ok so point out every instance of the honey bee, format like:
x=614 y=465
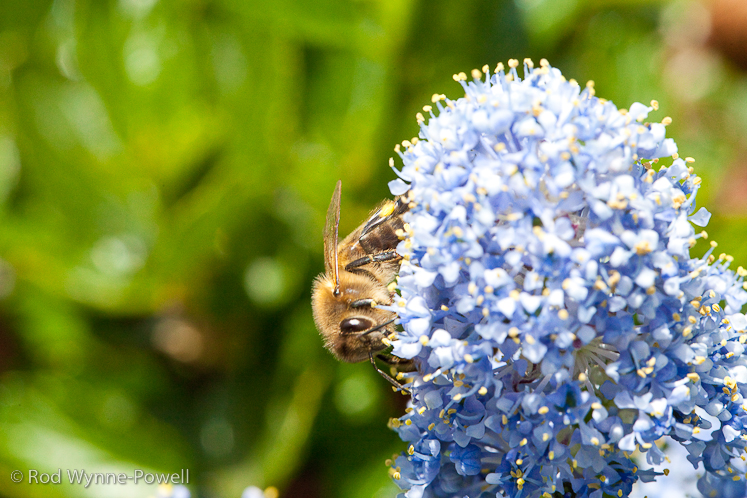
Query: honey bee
x=357 y=272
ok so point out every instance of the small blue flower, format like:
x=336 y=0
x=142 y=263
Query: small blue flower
x=549 y=297
x=171 y=491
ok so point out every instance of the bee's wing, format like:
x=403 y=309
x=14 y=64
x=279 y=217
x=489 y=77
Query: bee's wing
x=330 y=236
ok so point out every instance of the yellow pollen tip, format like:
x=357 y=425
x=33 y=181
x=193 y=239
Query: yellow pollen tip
x=387 y=209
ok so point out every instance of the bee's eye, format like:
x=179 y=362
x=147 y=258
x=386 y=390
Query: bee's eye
x=351 y=325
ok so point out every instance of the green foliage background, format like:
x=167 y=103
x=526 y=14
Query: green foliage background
x=165 y=169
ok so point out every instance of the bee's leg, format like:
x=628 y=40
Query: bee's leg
x=362 y=303
x=401 y=364
x=373 y=258
x=386 y=375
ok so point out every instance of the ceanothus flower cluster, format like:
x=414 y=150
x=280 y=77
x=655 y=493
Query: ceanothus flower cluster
x=550 y=300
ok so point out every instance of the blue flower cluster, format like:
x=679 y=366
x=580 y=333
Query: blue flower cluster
x=549 y=297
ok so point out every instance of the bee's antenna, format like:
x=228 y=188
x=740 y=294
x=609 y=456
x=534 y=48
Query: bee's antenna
x=386 y=375
x=378 y=327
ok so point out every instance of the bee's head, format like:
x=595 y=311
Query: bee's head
x=348 y=321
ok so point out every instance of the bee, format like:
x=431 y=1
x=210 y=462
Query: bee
x=357 y=272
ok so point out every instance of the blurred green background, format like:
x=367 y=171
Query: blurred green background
x=165 y=170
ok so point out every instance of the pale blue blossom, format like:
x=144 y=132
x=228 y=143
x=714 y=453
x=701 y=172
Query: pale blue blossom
x=172 y=491
x=548 y=294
